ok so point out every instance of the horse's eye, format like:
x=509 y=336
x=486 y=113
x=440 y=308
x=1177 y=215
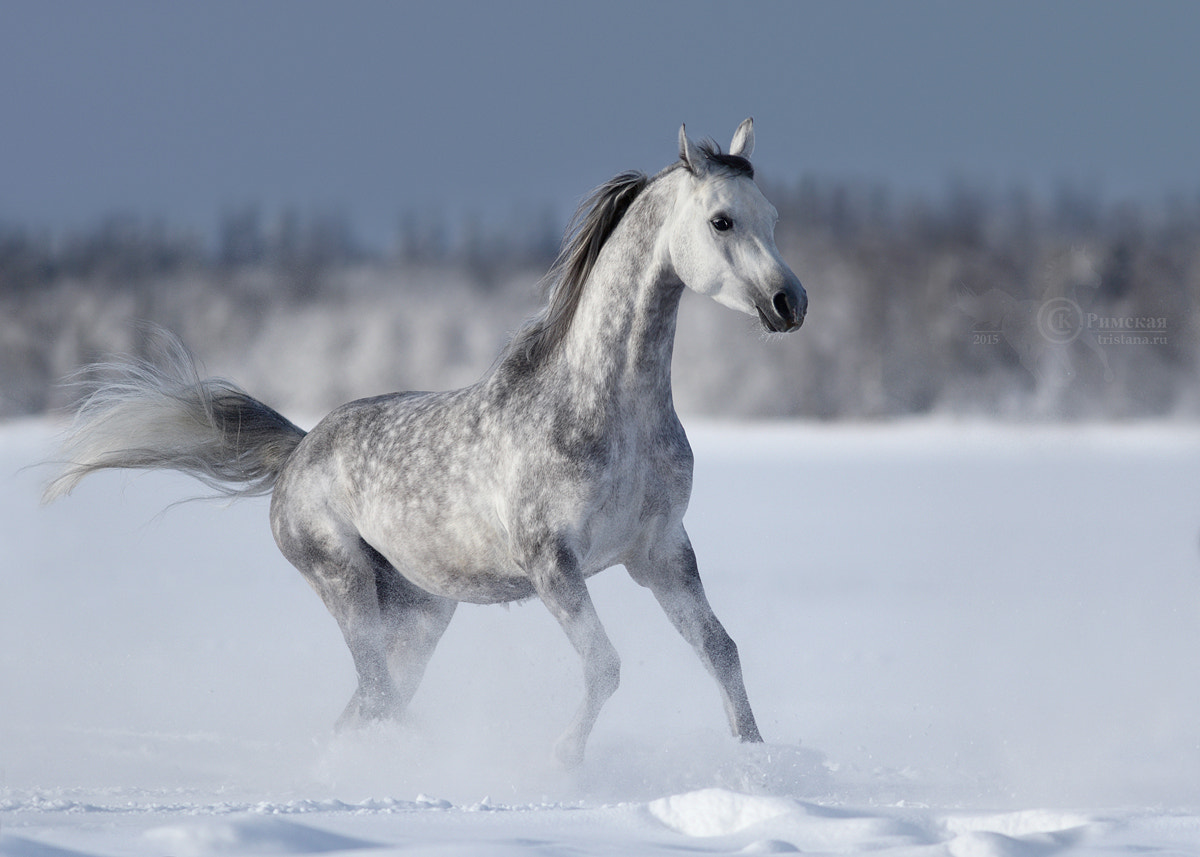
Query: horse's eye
x=721 y=223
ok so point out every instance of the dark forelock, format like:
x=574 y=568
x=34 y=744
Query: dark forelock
x=736 y=164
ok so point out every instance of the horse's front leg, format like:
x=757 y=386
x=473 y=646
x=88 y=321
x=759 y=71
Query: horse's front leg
x=671 y=573
x=561 y=586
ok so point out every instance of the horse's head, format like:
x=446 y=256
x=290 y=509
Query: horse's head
x=722 y=235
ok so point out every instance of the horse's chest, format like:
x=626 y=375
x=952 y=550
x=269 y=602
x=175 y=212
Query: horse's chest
x=637 y=495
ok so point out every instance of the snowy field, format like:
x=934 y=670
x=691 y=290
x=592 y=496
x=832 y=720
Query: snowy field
x=961 y=640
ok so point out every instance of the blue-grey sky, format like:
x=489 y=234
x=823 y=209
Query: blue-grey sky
x=185 y=109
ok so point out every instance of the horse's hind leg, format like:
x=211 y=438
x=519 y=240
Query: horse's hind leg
x=413 y=622
x=334 y=562
x=390 y=626
x=674 y=579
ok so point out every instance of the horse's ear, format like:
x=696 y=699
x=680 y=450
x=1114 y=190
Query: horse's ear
x=689 y=153
x=743 y=139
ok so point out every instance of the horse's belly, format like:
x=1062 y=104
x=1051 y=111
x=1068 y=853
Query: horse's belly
x=461 y=563
x=476 y=586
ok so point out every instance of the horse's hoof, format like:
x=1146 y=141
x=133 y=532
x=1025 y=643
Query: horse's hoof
x=364 y=711
x=568 y=754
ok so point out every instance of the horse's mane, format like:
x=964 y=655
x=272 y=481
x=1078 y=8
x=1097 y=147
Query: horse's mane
x=590 y=228
x=593 y=223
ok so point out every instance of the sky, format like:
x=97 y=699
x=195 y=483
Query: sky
x=185 y=110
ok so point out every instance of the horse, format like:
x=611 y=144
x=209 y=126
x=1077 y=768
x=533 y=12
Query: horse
x=566 y=458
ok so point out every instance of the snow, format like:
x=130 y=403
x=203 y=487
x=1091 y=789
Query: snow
x=960 y=639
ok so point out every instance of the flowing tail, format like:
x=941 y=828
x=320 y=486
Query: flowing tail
x=160 y=414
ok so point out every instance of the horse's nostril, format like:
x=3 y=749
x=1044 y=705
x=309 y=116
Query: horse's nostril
x=783 y=306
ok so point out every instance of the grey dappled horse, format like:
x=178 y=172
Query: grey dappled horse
x=566 y=458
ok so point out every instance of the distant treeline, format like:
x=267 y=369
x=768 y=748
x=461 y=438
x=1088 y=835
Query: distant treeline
x=971 y=303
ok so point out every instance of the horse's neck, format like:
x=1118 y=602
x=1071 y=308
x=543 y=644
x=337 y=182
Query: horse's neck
x=617 y=353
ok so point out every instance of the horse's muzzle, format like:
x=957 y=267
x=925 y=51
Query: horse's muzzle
x=789 y=305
